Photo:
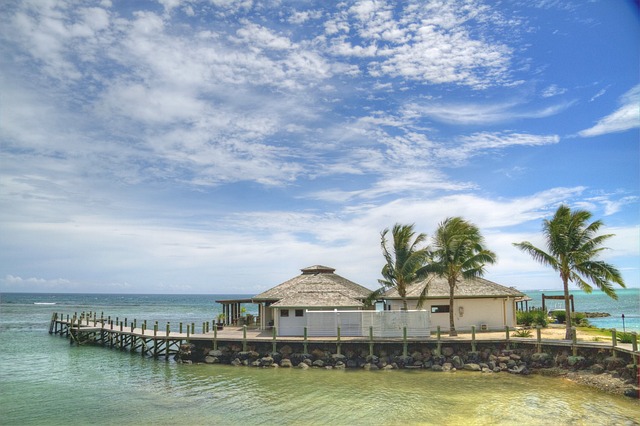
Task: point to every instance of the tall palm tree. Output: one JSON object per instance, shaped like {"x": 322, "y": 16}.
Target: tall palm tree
{"x": 572, "y": 250}
{"x": 405, "y": 260}
{"x": 458, "y": 253}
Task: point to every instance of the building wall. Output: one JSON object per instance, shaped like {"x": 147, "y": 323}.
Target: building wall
{"x": 496, "y": 313}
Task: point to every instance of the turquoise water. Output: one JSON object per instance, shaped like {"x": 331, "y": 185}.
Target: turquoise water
{"x": 628, "y": 303}
{"x": 44, "y": 380}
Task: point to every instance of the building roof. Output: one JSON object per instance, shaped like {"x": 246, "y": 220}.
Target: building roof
{"x": 439, "y": 288}
{"x": 317, "y": 286}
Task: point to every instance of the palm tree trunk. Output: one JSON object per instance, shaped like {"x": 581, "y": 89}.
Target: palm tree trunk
{"x": 567, "y": 309}
{"x": 404, "y": 304}
{"x": 452, "y": 326}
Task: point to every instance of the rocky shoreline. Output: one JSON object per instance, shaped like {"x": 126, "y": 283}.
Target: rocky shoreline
{"x": 593, "y": 367}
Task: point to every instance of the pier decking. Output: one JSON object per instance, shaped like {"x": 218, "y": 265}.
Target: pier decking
{"x": 152, "y": 341}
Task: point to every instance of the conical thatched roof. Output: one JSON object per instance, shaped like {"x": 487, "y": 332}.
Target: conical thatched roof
{"x": 439, "y": 288}
{"x": 317, "y": 286}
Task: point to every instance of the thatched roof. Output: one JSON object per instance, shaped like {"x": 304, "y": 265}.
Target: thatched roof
{"x": 439, "y": 288}
{"x": 317, "y": 286}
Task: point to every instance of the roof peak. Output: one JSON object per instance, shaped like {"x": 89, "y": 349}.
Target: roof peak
{"x": 317, "y": 269}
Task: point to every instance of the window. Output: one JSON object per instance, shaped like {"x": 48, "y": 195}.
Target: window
{"x": 299, "y": 313}
{"x": 284, "y": 312}
{"x": 439, "y": 309}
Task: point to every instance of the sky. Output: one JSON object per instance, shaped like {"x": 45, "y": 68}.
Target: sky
{"x": 207, "y": 147}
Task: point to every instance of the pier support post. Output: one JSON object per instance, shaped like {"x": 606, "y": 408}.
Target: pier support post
{"x": 405, "y": 345}
{"x": 439, "y": 347}
{"x": 180, "y": 328}
{"x": 506, "y": 332}
{"x": 305, "y": 343}
{"x": 155, "y": 330}
{"x": 273, "y": 345}
{"x": 168, "y": 329}
{"x": 215, "y": 338}
{"x": 244, "y": 338}
{"x": 370, "y": 340}
{"x": 473, "y": 338}
{"x": 338, "y": 344}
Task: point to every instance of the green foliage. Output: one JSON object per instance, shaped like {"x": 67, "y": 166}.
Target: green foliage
{"x": 458, "y": 253}
{"x": 624, "y": 337}
{"x": 573, "y": 248}
{"x": 522, "y": 332}
{"x": 404, "y": 260}
{"x": 560, "y": 316}
{"x": 532, "y": 318}
{"x": 580, "y": 319}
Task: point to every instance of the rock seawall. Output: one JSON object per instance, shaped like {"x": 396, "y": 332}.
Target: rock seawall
{"x": 595, "y": 367}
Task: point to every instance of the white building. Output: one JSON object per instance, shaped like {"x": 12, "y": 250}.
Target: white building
{"x": 479, "y": 302}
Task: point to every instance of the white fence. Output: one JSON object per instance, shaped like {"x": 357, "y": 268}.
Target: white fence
{"x": 358, "y": 323}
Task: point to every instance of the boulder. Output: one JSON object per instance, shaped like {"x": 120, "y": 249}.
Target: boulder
{"x": 338, "y": 358}
{"x": 521, "y": 369}
{"x": 576, "y": 361}
{"x": 318, "y": 363}
{"x": 597, "y": 369}
{"x": 266, "y": 361}
{"x": 457, "y": 361}
{"x": 303, "y": 365}
{"x": 211, "y": 359}
{"x": 436, "y": 367}
{"x": 472, "y": 367}
{"x": 286, "y": 363}
{"x": 447, "y": 351}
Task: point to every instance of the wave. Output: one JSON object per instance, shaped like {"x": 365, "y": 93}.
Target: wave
{"x": 44, "y": 303}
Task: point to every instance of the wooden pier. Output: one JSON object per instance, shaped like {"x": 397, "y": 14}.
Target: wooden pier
{"x": 88, "y": 328}
{"x": 122, "y": 335}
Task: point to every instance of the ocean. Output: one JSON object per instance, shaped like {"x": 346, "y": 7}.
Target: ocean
{"x": 45, "y": 381}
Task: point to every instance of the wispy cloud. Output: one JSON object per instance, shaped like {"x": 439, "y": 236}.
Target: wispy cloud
{"x": 474, "y": 114}
{"x": 626, "y": 117}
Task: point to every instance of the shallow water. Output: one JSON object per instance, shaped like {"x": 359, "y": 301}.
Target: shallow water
{"x": 44, "y": 380}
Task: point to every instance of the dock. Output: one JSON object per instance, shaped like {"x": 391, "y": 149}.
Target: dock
{"x": 150, "y": 340}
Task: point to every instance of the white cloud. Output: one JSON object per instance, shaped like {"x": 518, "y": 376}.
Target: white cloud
{"x": 626, "y": 117}
{"x": 485, "y": 142}
{"x": 553, "y": 90}
{"x": 472, "y": 114}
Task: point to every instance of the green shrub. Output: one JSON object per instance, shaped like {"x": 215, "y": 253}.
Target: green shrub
{"x": 624, "y": 337}
{"x": 580, "y": 319}
{"x": 533, "y": 317}
{"x": 560, "y": 316}
{"x": 540, "y": 318}
{"x": 522, "y": 332}
{"x": 524, "y": 317}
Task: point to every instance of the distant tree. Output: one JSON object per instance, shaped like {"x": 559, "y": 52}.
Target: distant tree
{"x": 405, "y": 260}
{"x": 572, "y": 250}
{"x": 458, "y": 252}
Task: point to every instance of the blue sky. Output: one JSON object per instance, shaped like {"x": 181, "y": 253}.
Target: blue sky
{"x": 220, "y": 146}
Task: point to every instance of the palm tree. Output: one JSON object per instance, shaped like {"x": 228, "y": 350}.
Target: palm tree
{"x": 458, "y": 253}
{"x": 405, "y": 260}
{"x": 572, "y": 249}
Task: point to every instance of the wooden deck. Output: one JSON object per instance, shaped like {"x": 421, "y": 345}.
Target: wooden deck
{"x": 155, "y": 342}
